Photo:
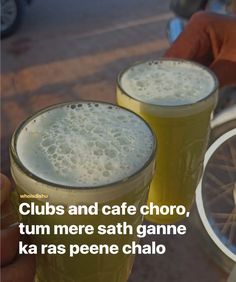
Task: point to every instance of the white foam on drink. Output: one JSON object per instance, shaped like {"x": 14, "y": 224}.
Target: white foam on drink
{"x": 85, "y": 144}
{"x": 167, "y": 82}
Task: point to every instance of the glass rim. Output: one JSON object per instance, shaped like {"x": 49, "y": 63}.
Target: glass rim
{"x": 28, "y": 173}
{"x": 211, "y": 73}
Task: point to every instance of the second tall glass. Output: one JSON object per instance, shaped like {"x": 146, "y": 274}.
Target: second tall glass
{"x": 176, "y": 98}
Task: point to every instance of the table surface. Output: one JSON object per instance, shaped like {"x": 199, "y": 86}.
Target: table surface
{"x": 76, "y": 55}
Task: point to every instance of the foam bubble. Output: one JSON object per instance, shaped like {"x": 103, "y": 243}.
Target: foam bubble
{"x": 167, "y": 82}
{"x": 86, "y": 144}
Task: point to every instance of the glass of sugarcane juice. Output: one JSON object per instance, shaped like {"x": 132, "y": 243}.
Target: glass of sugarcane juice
{"x": 176, "y": 98}
{"x": 79, "y": 154}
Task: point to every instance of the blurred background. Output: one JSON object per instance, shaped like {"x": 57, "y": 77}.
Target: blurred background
{"x": 74, "y": 50}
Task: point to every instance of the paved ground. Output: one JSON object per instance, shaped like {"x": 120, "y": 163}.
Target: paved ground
{"x": 70, "y": 50}
{"x": 74, "y": 50}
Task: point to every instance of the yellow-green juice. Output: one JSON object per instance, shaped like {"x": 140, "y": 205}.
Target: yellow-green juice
{"x": 82, "y": 153}
{"x": 177, "y": 99}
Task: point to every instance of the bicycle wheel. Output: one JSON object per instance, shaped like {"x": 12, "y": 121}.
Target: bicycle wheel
{"x": 216, "y": 200}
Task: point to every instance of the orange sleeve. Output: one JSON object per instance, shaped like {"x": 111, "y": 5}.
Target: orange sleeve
{"x": 209, "y": 39}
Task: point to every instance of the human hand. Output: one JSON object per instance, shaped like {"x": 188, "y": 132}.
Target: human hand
{"x": 13, "y": 267}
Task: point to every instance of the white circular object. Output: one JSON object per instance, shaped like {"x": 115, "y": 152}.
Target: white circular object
{"x": 231, "y": 254}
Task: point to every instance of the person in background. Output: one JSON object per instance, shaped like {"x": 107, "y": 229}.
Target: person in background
{"x": 210, "y": 39}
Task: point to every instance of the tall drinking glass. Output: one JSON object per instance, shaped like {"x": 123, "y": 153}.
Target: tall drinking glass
{"x": 176, "y": 98}
{"x": 82, "y": 153}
